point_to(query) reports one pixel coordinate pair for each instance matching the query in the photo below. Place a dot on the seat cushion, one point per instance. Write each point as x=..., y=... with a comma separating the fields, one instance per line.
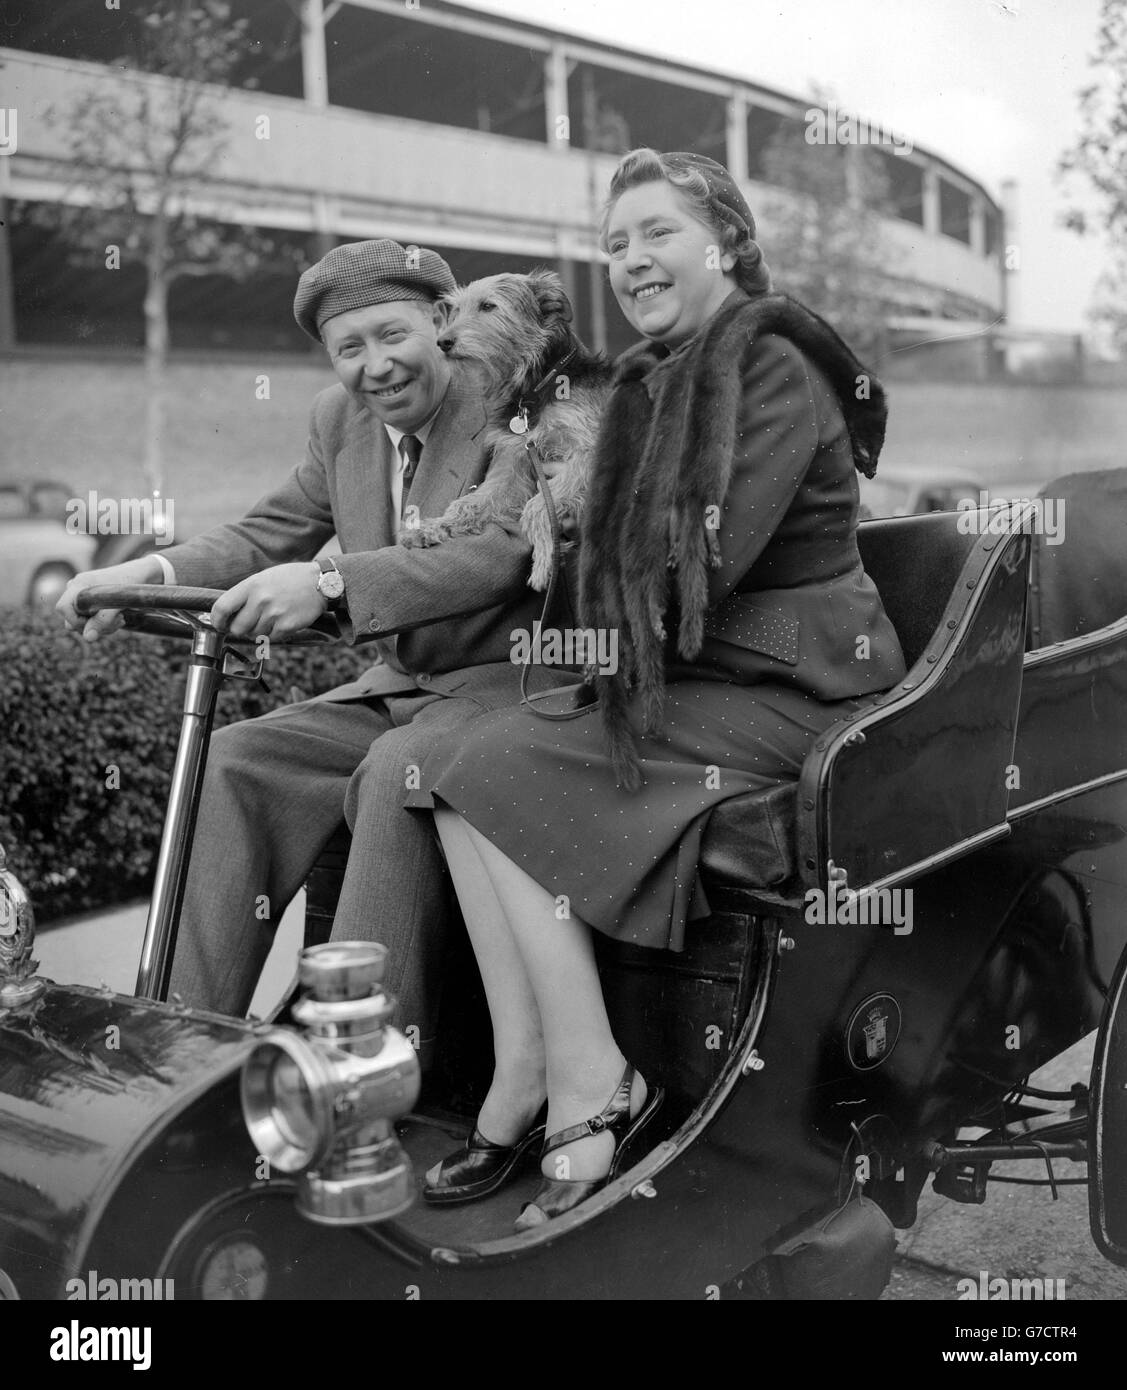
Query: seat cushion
x=750, y=840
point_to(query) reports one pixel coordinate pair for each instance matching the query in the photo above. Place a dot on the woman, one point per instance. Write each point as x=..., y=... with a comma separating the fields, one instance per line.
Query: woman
x=719, y=547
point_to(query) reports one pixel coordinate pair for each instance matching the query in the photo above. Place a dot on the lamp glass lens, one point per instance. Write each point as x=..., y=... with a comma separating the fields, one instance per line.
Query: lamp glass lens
x=291, y=1104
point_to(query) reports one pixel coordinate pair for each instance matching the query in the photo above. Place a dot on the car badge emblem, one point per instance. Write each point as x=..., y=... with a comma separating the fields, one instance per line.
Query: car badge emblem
x=872, y=1032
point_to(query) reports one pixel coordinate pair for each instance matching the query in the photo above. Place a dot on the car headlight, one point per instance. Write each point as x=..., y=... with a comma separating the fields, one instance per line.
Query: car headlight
x=321, y=1103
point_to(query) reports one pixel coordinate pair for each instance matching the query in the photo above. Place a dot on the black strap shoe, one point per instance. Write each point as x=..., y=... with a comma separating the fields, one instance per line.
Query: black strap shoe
x=559, y=1195
x=480, y=1167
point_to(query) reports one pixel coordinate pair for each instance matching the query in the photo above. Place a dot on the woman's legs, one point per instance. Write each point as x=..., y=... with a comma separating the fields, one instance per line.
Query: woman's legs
x=519, y=1085
x=584, y=1064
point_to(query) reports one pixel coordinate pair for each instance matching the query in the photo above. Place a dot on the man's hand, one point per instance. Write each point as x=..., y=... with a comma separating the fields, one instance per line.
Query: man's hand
x=145, y=570
x=276, y=603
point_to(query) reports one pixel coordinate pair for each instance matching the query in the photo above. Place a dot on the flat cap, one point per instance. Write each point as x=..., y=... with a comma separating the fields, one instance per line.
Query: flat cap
x=362, y=273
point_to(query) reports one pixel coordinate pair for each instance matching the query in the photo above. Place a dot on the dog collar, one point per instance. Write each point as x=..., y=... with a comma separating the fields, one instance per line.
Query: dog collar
x=519, y=423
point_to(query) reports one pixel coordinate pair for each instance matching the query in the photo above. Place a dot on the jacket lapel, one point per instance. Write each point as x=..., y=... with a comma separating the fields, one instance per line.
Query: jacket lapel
x=364, y=472
x=451, y=460
x=452, y=456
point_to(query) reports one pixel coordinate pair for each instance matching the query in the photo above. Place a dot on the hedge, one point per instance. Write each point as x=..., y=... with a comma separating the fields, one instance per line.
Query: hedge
x=71, y=712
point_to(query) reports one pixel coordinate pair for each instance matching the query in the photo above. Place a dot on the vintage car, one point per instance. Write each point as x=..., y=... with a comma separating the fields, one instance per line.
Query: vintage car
x=41, y=549
x=38, y=556
x=898, y=941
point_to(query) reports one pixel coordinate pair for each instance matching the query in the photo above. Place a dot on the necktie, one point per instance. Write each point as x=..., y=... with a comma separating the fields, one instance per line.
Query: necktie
x=411, y=448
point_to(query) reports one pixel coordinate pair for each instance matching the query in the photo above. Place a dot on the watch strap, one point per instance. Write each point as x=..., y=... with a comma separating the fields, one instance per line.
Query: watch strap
x=328, y=566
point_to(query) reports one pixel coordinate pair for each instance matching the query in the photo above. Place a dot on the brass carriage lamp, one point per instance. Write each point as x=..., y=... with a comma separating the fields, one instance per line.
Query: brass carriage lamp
x=322, y=1102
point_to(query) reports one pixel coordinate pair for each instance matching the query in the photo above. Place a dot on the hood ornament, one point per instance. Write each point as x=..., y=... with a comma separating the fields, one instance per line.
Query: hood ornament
x=18, y=982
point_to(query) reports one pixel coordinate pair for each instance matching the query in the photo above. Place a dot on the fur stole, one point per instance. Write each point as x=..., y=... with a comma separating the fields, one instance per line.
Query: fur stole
x=659, y=465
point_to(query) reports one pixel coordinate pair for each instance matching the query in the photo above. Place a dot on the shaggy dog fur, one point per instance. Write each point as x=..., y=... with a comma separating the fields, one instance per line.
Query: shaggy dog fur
x=518, y=329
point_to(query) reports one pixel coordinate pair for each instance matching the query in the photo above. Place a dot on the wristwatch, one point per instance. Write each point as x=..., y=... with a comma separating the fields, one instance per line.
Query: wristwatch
x=330, y=584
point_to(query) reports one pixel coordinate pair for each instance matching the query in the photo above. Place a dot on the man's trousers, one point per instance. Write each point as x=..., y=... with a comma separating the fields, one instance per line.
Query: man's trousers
x=275, y=790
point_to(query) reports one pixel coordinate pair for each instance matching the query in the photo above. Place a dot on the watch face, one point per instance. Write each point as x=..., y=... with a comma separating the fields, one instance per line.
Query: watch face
x=331, y=584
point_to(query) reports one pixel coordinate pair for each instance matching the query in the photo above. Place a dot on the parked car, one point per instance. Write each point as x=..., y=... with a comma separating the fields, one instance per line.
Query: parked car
x=39, y=554
x=903, y=491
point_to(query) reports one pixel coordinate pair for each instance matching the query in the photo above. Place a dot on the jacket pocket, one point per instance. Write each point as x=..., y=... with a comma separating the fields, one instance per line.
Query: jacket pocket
x=746, y=622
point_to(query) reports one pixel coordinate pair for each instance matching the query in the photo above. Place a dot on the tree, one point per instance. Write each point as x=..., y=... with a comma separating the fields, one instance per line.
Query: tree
x=1099, y=159
x=138, y=152
x=822, y=235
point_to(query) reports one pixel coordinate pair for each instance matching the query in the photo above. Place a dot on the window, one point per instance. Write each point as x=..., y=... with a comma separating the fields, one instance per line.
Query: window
x=70, y=29
x=904, y=181
x=618, y=111
x=405, y=67
x=992, y=231
x=92, y=33
x=763, y=126
x=272, y=61
x=49, y=500
x=954, y=212
x=13, y=504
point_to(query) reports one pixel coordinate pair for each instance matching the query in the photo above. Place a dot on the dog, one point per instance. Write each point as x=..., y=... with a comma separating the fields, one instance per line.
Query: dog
x=544, y=389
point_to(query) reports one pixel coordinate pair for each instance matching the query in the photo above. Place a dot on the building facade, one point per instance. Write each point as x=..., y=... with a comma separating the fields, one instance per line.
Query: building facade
x=490, y=139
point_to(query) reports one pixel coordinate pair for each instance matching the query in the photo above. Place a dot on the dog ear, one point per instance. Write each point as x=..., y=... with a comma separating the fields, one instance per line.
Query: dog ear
x=550, y=298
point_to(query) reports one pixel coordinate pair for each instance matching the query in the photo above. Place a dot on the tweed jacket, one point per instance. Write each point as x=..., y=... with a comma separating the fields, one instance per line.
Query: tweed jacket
x=439, y=618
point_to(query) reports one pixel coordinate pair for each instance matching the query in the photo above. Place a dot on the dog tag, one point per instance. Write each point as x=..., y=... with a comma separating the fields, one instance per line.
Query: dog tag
x=519, y=423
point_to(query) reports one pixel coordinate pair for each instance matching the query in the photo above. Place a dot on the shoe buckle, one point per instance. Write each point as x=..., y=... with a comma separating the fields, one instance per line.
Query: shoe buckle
x=597, y=1125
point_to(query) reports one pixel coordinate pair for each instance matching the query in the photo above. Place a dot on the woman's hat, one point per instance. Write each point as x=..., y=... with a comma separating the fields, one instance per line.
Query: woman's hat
x=730, y=202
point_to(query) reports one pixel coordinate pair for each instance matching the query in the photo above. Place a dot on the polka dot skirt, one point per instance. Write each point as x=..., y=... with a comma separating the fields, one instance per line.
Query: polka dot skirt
x=544, y=793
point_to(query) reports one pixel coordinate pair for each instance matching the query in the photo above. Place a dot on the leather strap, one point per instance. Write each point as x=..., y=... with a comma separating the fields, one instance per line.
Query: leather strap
x=618, y=1106
x=553, y=583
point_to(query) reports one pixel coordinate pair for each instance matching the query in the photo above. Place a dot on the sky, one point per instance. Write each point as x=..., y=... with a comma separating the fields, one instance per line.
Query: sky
x=990, y=85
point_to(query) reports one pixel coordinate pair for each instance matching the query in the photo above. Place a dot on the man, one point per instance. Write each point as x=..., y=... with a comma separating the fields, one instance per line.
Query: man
x=403, y=423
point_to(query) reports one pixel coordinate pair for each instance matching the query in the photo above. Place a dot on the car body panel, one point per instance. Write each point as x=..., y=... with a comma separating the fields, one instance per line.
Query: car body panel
x=89, y=1081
